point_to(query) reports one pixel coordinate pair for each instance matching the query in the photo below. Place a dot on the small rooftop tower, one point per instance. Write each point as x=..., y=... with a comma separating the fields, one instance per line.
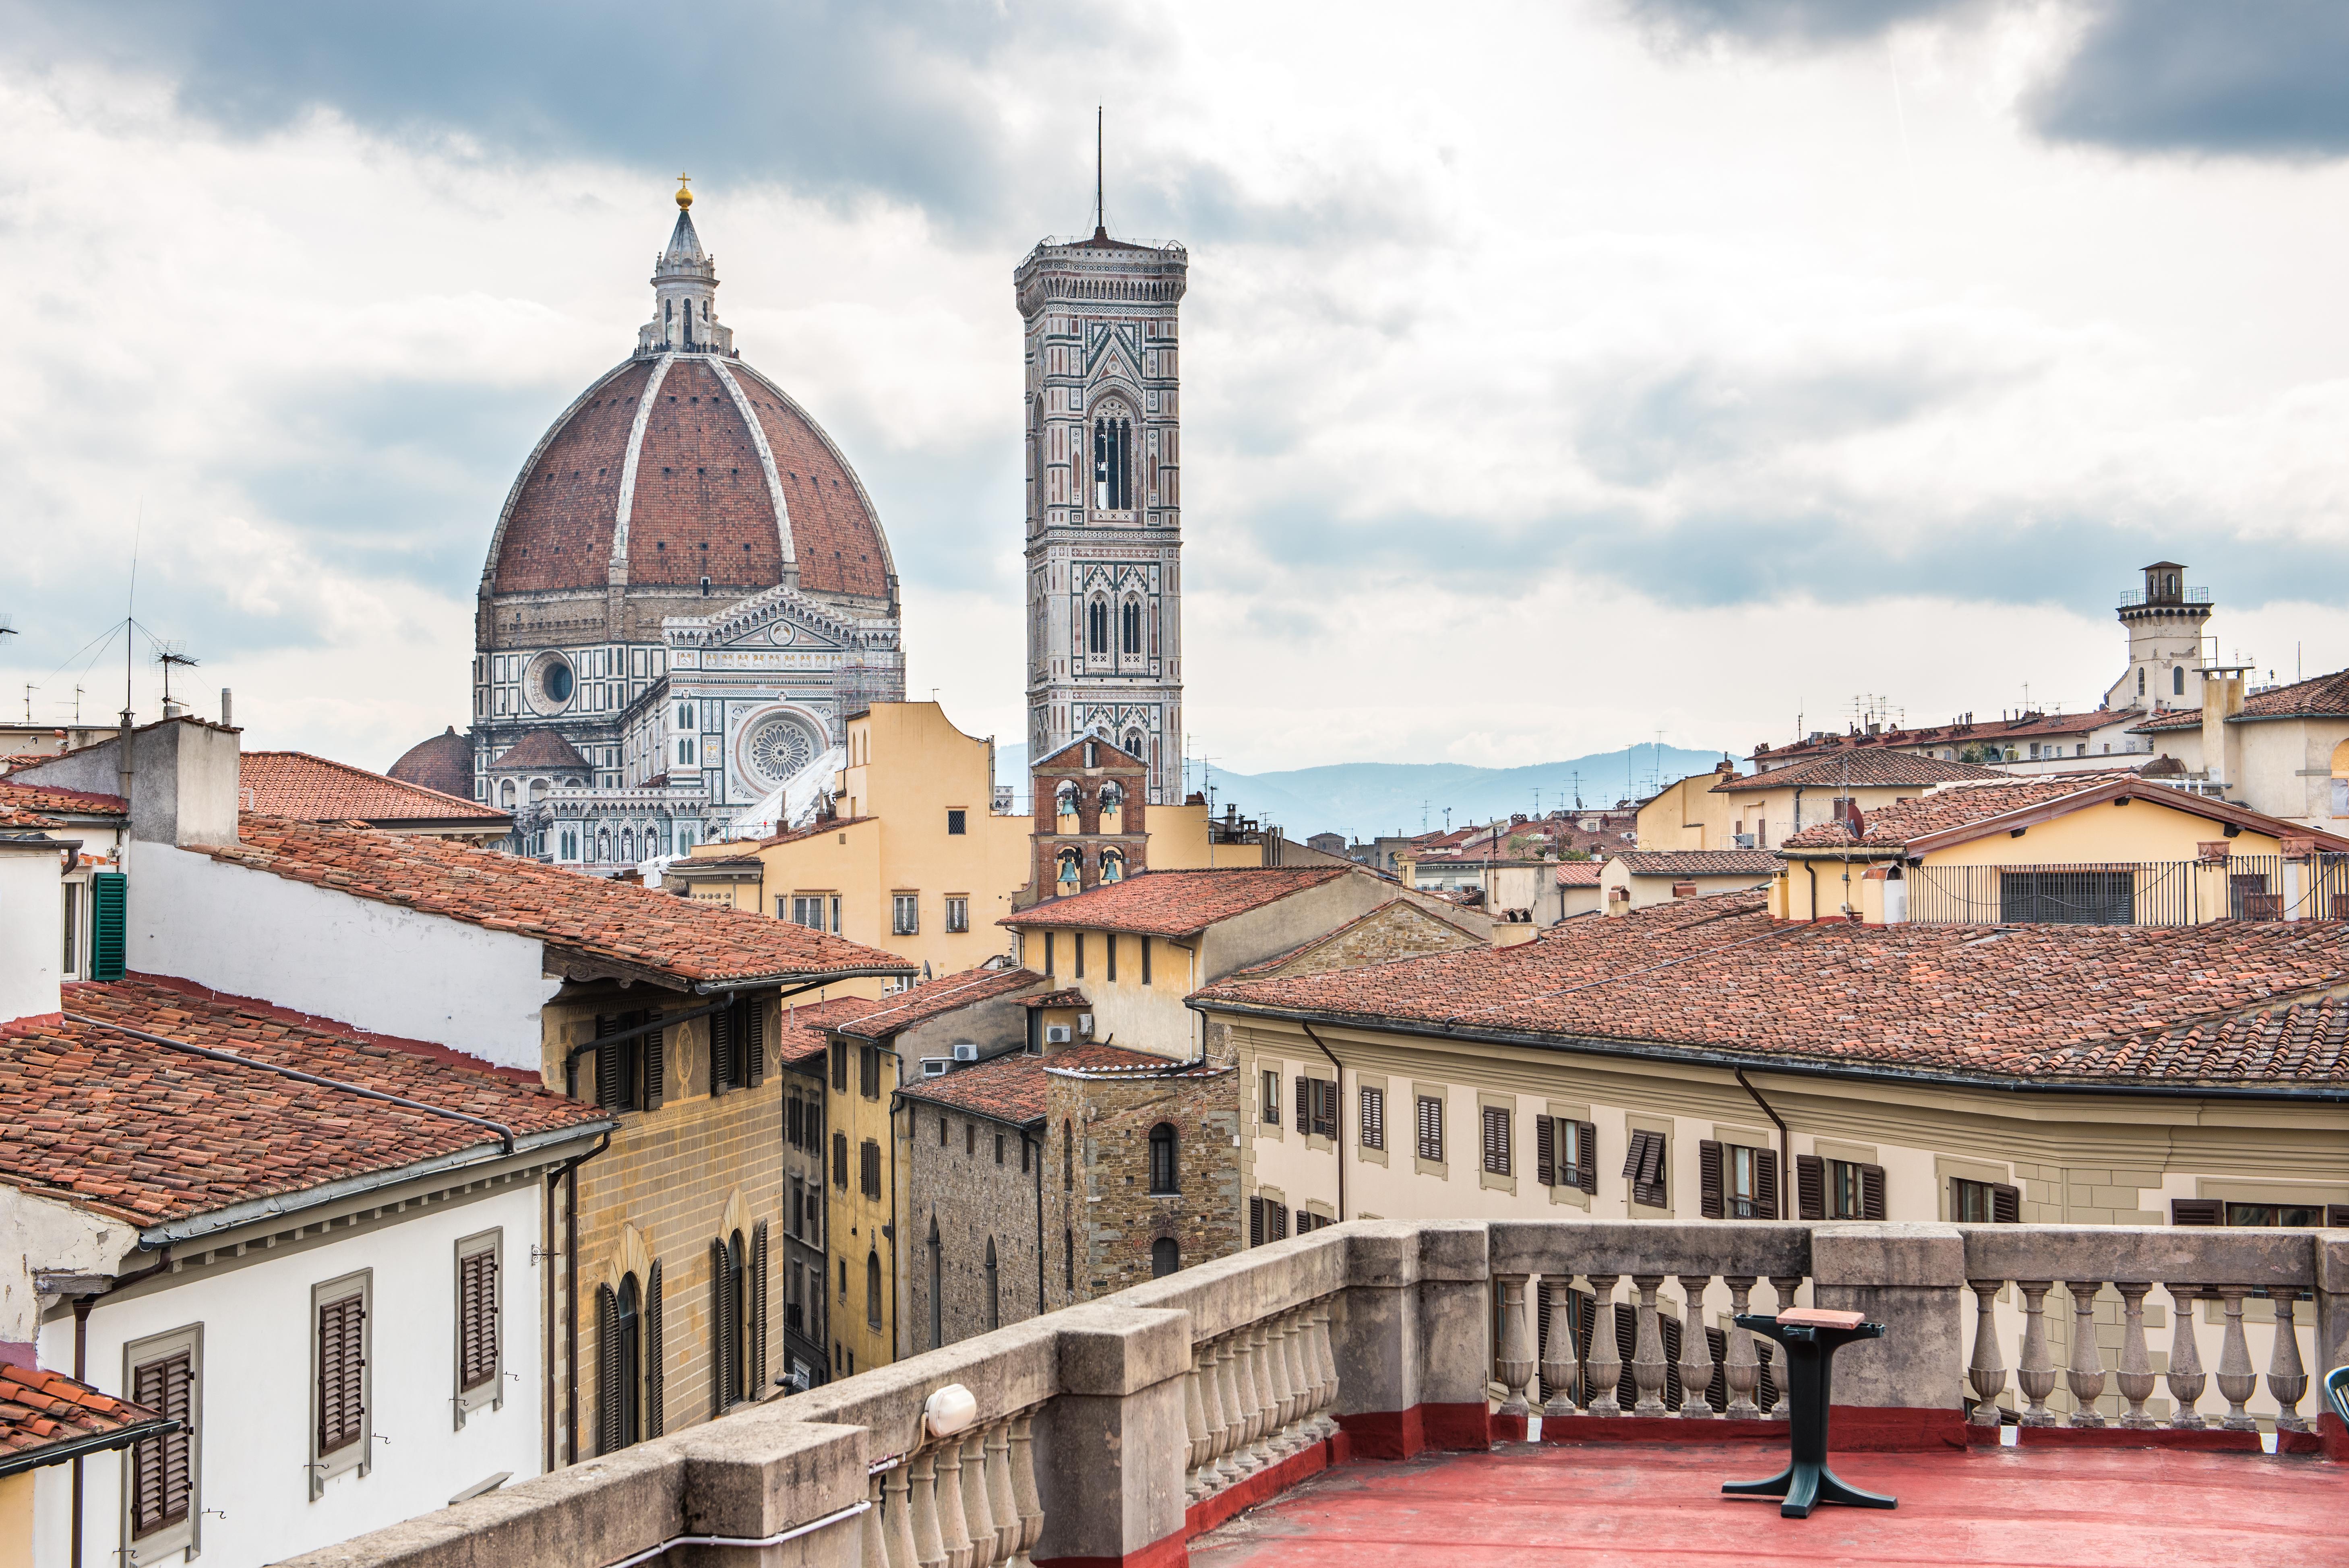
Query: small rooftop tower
x=2163, y=620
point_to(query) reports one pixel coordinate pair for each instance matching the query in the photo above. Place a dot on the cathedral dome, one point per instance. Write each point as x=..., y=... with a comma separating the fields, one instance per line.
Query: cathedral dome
x=444, y=763
x=683, y=464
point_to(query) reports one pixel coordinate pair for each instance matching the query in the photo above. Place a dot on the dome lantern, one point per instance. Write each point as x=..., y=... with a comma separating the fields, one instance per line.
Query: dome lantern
x=685, y=293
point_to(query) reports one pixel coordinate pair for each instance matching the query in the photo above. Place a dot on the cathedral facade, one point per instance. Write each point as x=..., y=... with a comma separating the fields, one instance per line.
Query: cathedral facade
x=1104, y=520
x=686, y=591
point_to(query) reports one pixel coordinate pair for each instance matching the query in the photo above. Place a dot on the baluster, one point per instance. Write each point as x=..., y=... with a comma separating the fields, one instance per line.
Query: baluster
x=2086, y=1375
x=1696, y=1349
x=1602, y=1362
x=930, y=1541
x=1515, y=1363
x=2287, y=1378
x=1229, y=1420
x=2236, y=1380
x=1738, y=1367
x=1302, y=1376
x=1558, y=1365
x=1648, y=1349
x=2185, y=1376
x=1783, y=1286
x=1987, y=1373
x=897, y=1524
x=1024, y=1497
x=1261, y=1405
x=1282, y=1440
x=1195, y=1418
x=2035, y=1373
x=1322, y=1349
x=954, y=1518
x=2135, y=1378
x=1000, y=1505
x=977, y=1508
x=1241, y=1458
x=874, y=1551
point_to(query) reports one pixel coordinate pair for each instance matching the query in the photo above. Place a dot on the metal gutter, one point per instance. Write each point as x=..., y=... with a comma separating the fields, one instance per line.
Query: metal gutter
x=18, y=1463
x=806, y=981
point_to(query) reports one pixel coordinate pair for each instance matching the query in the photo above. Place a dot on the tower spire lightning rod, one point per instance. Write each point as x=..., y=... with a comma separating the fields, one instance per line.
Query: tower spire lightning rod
x=1100, y=222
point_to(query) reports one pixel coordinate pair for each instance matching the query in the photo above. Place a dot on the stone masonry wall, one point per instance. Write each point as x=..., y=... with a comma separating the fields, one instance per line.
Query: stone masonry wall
x=1109, y=1208
x=973, y=1200
x=1398, y=930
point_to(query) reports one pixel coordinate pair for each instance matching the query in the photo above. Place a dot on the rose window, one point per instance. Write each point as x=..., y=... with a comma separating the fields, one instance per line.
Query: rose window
x=779, y=749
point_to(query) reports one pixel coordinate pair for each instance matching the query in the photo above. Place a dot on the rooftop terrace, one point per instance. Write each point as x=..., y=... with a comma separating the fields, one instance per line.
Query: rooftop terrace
x=1368, y=1390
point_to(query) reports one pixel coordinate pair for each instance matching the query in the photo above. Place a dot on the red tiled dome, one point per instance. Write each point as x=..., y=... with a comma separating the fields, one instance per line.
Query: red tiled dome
x=705, y=501
x=444, y=763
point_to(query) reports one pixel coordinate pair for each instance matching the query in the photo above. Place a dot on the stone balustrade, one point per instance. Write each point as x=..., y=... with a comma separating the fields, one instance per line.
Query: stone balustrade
x=1114, y=1430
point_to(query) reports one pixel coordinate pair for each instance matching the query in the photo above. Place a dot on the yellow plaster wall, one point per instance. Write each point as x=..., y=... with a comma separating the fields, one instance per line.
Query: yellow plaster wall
x=858, y=1221
x=1771, y=812
x=17, y=1521
x=1179, y=842
x=1690, y=815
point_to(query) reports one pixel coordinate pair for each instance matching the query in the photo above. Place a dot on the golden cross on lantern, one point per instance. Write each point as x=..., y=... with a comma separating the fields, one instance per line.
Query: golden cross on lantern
x=684, y=197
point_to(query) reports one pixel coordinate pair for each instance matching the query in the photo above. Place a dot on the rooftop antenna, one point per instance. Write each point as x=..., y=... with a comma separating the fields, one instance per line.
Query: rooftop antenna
x=169, y=655
x=1100, y=219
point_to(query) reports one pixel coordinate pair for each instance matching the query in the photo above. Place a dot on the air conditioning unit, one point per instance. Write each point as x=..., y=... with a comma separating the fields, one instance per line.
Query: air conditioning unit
x=1056, y=1034
x=964, y=1051
x=1085, y=1025
x=934, y=1067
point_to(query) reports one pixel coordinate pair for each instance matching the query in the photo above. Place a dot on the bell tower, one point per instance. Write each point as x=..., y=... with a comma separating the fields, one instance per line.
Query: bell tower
x=2163, y=620
x=1104, y=521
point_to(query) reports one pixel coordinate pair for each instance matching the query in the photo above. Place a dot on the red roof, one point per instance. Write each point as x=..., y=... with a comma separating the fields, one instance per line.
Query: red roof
x=43, y=1412
x=1578, y=873
x=444, y=762
x=1014, y=1087
x=2049, y=1003
x=2319, y=696
x=595, y=917
x=936, y=998
x=1698, y=863
x=101, y=1118
x=1959, y=735
x=1175, y=903
x=542, y=749
x=1942, y=817
x=47, y=798
x=1870, y=768
x=317, y=789
x=807, y=1026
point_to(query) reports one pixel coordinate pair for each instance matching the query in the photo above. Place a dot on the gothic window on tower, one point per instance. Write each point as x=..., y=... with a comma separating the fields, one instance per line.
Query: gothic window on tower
x=1097, y=627
x=1113, y=461
x=1129, y=627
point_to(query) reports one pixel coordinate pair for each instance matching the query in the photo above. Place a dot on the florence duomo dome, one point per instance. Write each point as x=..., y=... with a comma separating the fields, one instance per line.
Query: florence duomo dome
x=685, y=592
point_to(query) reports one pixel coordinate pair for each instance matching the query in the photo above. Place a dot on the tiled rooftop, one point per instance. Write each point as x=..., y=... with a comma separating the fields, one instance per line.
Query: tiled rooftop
x=1872, y=768
x=1960, y=733
x=2044, y=1003
x=935, y=998
x=42, y=1410
x=317, y=789
x=2319, y=696
x=1014, y=1087
x=1698, y=863
x=1578, y=873
x=1959, y=812
x=42, y=799
x=1175, y=903
x=807, y=1027
x=542, y=748
x=99, y=1117
x=590, y=916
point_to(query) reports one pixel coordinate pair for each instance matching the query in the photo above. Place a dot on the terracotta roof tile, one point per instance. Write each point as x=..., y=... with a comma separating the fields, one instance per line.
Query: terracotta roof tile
x=317, y=789
x=1578, y=873
x=1928, y=820
x=590, y=916
x=936, y=998
x=1698, y=863
x=2047, y=1002
x=807, y=1027
x=1014, y=1087
x=43, y=798
x=154, y=1134
x=1175, y=903
x=2319, y=696
x=542, y=748
x=1959, y=735
x=43, y=1411
x=1869, y=767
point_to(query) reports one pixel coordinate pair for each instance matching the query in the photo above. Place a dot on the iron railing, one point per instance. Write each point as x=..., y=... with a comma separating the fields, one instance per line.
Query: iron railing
x=2141, y=893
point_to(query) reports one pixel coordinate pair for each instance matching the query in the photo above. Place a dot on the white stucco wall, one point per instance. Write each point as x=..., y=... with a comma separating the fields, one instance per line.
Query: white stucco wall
x=255, y=1387
x=378, y=966
x=32, y=931
x=43, y=1233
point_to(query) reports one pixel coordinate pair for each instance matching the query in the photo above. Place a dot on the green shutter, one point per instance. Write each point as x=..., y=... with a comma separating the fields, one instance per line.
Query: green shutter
x=108, y=898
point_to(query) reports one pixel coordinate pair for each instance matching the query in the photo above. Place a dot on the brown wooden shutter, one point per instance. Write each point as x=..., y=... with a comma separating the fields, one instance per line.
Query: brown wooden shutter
x=2336, y=1213
x=1765, y=1183
x=1545, y=1153
x=1280, y=1222
x=2005, y=1205
x=756, y=1383
x=754, y=1049
x=609, y=1060
x=1708, y=1179
x=607, y=1371
x=160, y=1478
x=722, y=1323
x=1256, y=1222
x=653, y=1053
x=2196, y=1212
x=649, y=1351
x=1325, y=1109
x=721, y=1051
x=1585, y=1169
x=1304, y=1103
x=342, y=1369
x=840, y=1067
x=477, y=1318
x=839, y=1160
x=1496, y=1141
x=1871, y=1192
x=1810, y=1187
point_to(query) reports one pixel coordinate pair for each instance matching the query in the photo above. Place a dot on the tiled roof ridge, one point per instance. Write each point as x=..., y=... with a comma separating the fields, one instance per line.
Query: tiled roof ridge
x=904, y=1010
x=60, y=799
x=464, y=808
x=1105, y=902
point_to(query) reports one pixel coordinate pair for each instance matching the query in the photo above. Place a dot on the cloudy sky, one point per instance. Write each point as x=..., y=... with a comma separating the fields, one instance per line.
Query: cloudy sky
x=1556, y=375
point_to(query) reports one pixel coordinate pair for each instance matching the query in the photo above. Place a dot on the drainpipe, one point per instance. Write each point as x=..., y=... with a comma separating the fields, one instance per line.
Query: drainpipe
x=82, y=1304
x=1039, y=1213
x=1811, y=869
x=568, y=1175
x=1785, y=1143
x=1341, y=1128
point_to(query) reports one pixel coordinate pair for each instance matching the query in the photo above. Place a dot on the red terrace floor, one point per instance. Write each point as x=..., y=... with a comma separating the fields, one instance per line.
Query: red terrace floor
x=1652, y=1503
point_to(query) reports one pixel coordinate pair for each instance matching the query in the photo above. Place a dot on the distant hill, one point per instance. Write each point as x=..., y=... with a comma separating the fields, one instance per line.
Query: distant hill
x=1363, y=799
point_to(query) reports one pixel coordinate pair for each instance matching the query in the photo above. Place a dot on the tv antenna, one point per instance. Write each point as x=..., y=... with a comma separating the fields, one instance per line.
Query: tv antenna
x=172, y=655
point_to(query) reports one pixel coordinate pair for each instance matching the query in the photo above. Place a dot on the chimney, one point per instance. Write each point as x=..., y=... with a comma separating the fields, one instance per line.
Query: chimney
x=2222, y=744
x=181, y=775
x=228, y=711
x=32, y=931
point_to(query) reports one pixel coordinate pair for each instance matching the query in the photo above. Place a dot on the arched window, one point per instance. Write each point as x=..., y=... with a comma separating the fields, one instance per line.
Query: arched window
x=538, y=789
x=2141, y=680
x=2177, y=680
x=1129, y=626
x=1113, y=461
x=937, y=1276
x=1112, y=808
x=1162, y=1178
x=1069, y=1153
x=1112, y=865
x=1072, y=864
x=1097, y=627
x=994, y=1288
x=1064, y=800
x=1133, y=744
x=873, y=1289
x=506, y=794
x=627, y=1363
x=1165, y=1257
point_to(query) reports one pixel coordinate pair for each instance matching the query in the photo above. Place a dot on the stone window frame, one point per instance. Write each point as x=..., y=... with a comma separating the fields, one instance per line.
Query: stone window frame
x=1486, y=1100
x=1314, y=1142
x=1420, y=1164
x=2259, y=1308
x=1376, y=1084
x=1560, y=1192
x=1946, y=1167
x=1634, y=1121
x=1274, y=1126
x=352, y=1458
x=187, y=1534
x=1829, y=1150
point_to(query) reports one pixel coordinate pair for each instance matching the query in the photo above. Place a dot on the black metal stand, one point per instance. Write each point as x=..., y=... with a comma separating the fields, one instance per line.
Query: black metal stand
x=1807, y=1481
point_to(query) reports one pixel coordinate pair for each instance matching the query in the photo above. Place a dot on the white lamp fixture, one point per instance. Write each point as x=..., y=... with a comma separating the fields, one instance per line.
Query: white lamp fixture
x=950, y=1410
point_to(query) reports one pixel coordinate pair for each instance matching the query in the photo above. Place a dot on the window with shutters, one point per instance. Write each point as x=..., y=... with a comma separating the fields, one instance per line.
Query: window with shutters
x=1984, y=1202
x=1645, y=1165
x=1736, y=1181
x=840, y=1067
x=1565, y=1152
x=868, y=1167
x=1267, y=1221
x=839, y=1160
x=1496, y=1139
x=1431, y=1129
x=1268, y=1097
x=165, y=1373
x=738, y=1047
x=754, y=1347
x=868, y=1072
x=728, y=1320
x=480, y=1367
x=1374, y=1118
x=340, y=1435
